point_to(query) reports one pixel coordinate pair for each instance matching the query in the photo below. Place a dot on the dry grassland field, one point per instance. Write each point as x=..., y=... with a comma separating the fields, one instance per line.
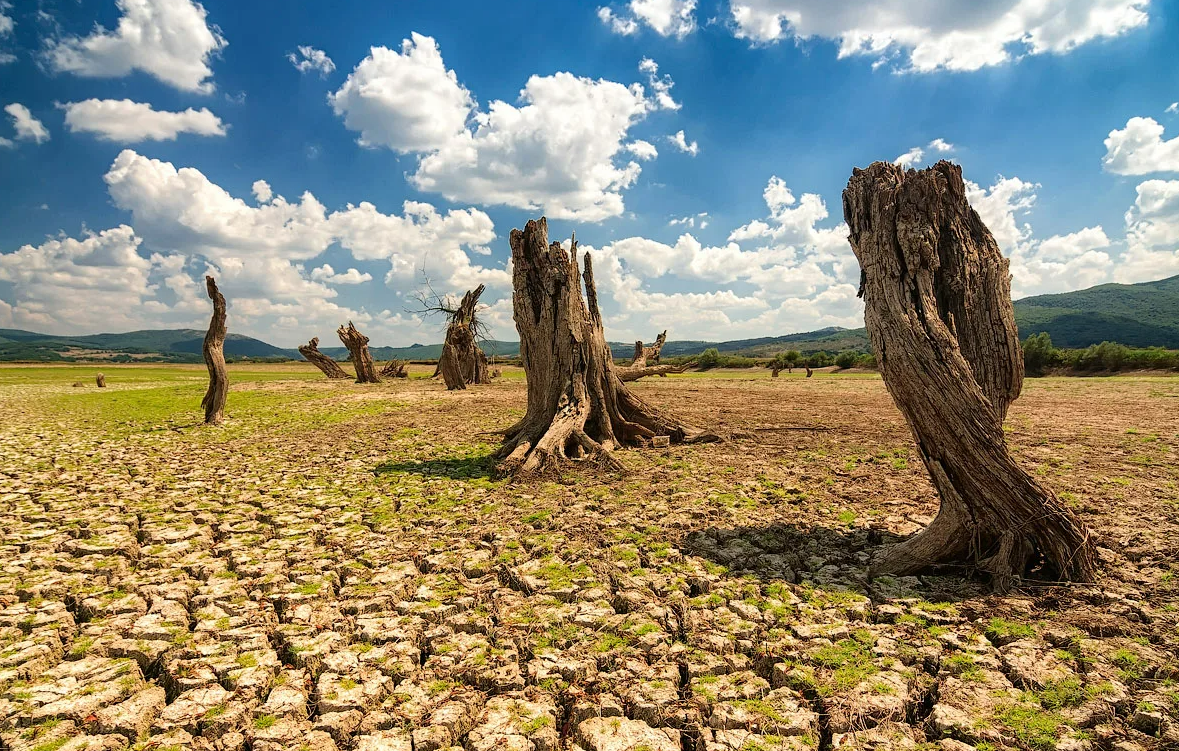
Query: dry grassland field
x=337, y=567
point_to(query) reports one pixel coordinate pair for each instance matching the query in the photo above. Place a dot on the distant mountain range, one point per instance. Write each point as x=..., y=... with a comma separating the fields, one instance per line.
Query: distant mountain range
x=1137, y=315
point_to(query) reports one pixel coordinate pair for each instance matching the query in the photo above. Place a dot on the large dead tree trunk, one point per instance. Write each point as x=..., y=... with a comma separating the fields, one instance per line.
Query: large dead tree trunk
x=462, y=362
x=577, y=406
x=327, y=365
x=214, y=352
x=362, y=359
x=937, y=305
x=395, y=369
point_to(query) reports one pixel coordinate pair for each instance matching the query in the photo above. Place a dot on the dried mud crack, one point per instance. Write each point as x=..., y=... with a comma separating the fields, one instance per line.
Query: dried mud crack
x=335, y=568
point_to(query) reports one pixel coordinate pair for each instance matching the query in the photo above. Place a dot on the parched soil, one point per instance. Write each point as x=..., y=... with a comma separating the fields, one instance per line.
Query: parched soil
x=336, y=567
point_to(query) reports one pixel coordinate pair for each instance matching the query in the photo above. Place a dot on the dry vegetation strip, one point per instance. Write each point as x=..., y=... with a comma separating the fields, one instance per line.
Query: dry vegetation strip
x=335, y=567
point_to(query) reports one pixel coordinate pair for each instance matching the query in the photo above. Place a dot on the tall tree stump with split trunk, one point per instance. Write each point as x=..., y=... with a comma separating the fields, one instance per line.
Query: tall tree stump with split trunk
x=578, y=408
x=100, y=379
x=362, y=359
x=937, y=305
x=214, y=352
x=326, y=365
x=462, y=362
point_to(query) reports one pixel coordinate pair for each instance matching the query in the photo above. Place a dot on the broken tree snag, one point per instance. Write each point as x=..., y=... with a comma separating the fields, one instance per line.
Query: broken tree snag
x=649, y=355
x=395, y=369
x=645, y=362
x=462, y=362
x=362, y=359
x=214, y=352
x=327, y=365
x=578, y=408
x=937, y=306
x=100, y=379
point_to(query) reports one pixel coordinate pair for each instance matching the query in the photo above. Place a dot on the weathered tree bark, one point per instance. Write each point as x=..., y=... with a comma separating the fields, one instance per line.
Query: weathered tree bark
x=578, y=408
x=937, y=305
x=100, y=379
x=395, y=369
x=327, y=365
x=362, y=359
x=214, y=352
x=462, y=362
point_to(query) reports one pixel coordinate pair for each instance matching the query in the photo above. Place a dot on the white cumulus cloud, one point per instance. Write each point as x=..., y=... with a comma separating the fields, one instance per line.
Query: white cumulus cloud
x=125, y=121
x=561, y=148
x=309, y=59
x=668, y=18
x=326, y=273
x=951, y=35
x=683, y=144
x=27, y=127
x=407, y=101
x=1139, y=149
x=916, y=155
x=168, y=39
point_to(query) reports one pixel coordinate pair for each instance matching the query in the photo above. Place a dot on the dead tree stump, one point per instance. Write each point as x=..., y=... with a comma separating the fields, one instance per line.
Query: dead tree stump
x=775, y=371
x=326, y=365
x=395, y=369
x=362, y=359
x=646, y=362
x=100, y=379
x=214, y=352
x=937, y=306
x=578, y=408
x=462, y=362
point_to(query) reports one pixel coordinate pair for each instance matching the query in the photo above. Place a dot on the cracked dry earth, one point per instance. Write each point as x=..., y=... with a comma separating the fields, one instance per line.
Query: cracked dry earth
x=336, y=569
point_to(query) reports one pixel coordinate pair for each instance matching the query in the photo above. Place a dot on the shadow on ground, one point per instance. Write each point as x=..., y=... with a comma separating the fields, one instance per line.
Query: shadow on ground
x=457, y=468
x=826, y=557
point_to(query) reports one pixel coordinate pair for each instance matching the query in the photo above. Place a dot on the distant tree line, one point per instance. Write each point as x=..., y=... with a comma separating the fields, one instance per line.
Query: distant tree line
x=1040, y=357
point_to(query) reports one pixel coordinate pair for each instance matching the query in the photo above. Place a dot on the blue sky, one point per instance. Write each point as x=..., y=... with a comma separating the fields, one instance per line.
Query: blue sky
x=317, y=157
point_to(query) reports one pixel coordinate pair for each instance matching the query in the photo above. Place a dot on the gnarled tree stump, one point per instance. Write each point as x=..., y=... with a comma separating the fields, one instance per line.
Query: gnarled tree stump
x=362, y=359
x=100, y=379
x=578, y=408
x=214, y=352
x=395, y=369
x=462, y=362
x=937, y=305
x=326, y=365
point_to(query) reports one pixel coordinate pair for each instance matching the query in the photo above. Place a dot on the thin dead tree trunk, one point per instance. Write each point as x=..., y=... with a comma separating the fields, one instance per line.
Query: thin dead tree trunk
x=327, y=365
x=100, y=379
x=214, y=352
x=937, y=306
x=462, y=362
x=362, y=359
x=578, y=408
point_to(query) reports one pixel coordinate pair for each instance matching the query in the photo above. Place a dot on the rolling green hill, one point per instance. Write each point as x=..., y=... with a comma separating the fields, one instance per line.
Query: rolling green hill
x=153, y=345
x=1137, y=315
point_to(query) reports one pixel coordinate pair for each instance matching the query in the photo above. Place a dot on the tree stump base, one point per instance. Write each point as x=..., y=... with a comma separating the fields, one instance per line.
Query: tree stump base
x=578, y=408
